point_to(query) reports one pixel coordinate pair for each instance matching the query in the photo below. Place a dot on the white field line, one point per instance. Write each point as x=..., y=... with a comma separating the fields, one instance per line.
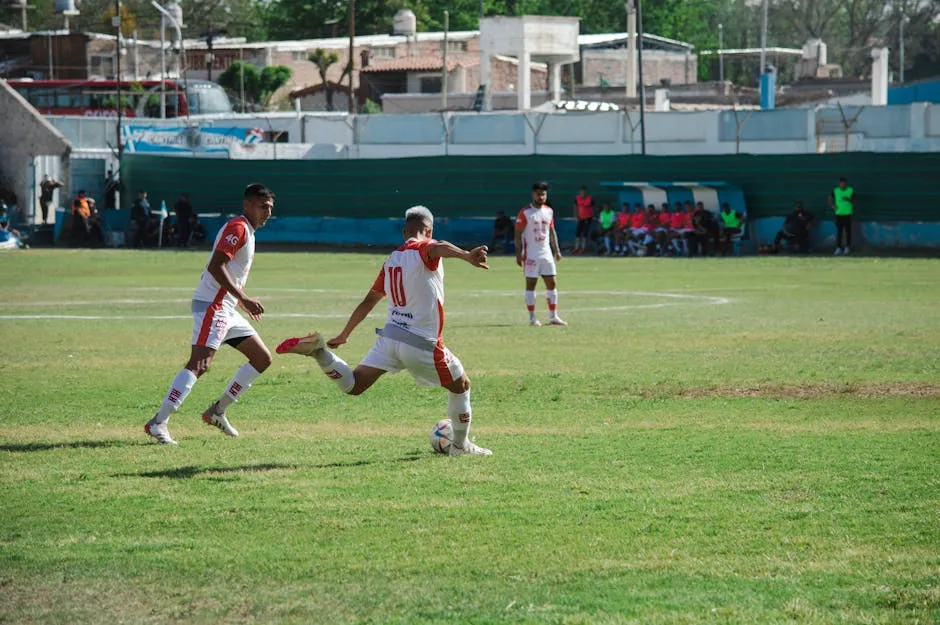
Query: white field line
x=676, y=299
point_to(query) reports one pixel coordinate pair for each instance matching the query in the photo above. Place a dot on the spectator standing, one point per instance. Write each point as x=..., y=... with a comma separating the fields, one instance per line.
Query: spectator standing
x=183, y=209
x=141, y=225
x=503, y=233
x=81, y=227
x=111, y=189
x=795, y=229
x=584, y=213
x=842, y=202
x=46, y=191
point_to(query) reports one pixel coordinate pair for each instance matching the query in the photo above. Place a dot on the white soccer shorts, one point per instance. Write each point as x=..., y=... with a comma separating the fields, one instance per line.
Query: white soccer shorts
x=535, y=267
x=212, y=326
x=429, y=367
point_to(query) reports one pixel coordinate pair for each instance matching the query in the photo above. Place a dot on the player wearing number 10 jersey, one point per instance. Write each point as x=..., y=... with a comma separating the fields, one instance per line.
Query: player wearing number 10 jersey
x=413, y=280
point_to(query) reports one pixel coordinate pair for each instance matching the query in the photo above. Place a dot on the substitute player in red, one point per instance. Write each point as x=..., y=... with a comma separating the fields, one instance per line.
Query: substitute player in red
x=215, y=320
x=413, y=278
x=537, y=250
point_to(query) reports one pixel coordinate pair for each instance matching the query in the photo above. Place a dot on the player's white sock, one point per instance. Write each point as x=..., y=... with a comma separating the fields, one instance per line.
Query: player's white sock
x=335, y=369
x=240, y=383
x=458, y=410
x=179, y=389
x=552, y=297
x=530, y=304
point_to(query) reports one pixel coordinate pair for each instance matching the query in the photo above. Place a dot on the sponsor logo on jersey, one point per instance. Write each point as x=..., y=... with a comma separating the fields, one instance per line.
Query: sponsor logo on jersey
x=231, y=239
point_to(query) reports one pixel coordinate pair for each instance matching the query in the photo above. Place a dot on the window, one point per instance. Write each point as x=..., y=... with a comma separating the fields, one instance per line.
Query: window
x=101, y=65
x=299, y=55
x=383, y=52
x=456, y=46
x=430, y=84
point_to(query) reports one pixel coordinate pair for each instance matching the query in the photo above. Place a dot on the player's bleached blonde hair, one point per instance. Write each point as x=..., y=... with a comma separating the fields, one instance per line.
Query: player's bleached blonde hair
x=419, y=214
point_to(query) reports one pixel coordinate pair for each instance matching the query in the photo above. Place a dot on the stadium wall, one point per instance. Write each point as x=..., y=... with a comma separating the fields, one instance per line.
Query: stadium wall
x=896, y=191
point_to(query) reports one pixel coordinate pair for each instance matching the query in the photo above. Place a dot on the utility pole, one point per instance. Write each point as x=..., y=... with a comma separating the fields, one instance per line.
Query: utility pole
x=120, y=103
x=639, y=54
x=721, y=52
x=352, y=37
x=763, y=40
x=444, y=64
x=629, y=75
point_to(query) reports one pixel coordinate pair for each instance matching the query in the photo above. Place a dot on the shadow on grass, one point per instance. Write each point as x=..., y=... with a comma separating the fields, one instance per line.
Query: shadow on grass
x=194, y=471
x=26, y=447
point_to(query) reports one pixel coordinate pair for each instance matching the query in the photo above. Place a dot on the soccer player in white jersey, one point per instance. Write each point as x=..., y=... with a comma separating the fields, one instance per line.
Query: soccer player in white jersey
x=413, y=279
x=537, y=250
x=215, y=320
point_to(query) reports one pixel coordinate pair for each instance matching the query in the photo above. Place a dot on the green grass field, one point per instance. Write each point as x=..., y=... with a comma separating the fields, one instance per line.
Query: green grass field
x=751, y=440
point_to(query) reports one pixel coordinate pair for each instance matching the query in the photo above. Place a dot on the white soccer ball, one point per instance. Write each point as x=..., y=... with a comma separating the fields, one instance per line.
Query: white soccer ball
x=442, y=435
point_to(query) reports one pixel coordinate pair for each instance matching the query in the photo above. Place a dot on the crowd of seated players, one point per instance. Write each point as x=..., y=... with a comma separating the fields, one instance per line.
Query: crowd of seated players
x=683, y=230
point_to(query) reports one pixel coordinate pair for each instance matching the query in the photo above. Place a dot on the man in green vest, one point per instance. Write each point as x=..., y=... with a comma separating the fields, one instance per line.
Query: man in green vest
x=608, y=219
x=732, y=224
x=842, y=202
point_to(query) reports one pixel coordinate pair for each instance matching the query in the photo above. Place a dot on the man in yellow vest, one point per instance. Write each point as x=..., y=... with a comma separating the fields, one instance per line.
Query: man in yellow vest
x=842, y=202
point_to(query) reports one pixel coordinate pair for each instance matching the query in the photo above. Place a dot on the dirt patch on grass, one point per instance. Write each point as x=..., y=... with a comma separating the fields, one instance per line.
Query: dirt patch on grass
x=809, y=391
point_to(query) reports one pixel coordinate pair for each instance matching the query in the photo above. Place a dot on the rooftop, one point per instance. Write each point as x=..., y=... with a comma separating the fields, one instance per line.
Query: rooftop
x=423, y=63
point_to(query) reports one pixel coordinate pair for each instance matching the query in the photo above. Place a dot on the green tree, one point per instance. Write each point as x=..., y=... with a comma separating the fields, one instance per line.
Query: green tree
x=259, y=86
x=323, y=60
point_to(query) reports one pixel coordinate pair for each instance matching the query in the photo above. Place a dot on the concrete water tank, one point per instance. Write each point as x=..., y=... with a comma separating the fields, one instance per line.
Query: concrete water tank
x=405, y=23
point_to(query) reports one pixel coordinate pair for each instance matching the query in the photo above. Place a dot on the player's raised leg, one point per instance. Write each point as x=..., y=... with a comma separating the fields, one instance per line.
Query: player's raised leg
x=259, y=359
x=351, y=382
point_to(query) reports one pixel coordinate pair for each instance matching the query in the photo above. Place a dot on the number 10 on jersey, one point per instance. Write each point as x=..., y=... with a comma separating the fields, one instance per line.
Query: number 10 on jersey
x=396, y=286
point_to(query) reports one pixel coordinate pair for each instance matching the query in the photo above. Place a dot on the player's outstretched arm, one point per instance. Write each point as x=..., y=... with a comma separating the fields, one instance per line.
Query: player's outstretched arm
x=218, y=269
x=358, y=316
x=443, y=249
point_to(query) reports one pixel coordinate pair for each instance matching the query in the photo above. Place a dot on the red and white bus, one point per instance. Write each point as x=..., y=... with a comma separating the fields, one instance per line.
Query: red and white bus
x=140, y=98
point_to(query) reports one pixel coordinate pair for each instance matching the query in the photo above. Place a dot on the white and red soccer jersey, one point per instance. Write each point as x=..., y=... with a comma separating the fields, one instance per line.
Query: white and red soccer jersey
x=536, y=223
x=414, y=284
x=236, y=240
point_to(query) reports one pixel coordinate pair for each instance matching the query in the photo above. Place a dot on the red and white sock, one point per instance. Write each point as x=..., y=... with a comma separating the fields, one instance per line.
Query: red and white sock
x=240, y=382
x=336, y=369
x=458, y=410
x=179, y=389
x=552, y=297
x=530, y=304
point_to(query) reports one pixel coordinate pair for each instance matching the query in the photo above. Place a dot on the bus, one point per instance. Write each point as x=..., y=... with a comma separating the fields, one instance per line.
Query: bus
x=140, y=98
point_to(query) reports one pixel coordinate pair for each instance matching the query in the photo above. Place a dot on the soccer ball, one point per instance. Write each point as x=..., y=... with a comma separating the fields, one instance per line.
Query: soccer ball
x=442, y=434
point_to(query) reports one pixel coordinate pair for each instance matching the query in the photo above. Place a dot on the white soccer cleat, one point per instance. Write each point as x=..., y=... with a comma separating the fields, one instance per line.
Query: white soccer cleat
x=469, y=449
x=159, y=432
x=557, y=321
x=838, y=252
x=535, y=323
x=212, y=416
x=304, y=345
